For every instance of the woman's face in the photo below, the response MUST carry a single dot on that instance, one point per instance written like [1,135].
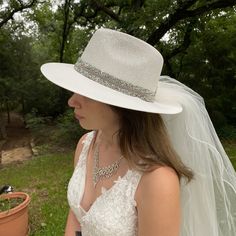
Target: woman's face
[93,115]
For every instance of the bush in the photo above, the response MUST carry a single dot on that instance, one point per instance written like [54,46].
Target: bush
[227,132]
[62,131]
[36,124]
[68,131]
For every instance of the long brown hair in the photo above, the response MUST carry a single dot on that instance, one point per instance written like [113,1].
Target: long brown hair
[144,142]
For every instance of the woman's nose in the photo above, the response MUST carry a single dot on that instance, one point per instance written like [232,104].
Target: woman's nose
[74,101]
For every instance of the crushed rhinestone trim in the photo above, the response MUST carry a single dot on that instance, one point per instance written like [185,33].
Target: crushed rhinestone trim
[112,82]
[103,172]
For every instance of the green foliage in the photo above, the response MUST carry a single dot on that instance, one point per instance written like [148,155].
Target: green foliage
[204,59]
[36,124]
[16,68]
[68,130]
[227,132]
[45,97]
[64,131]
[9,203]
[208,66]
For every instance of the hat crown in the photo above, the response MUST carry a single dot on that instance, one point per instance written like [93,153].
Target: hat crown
[116,69]
[124,57]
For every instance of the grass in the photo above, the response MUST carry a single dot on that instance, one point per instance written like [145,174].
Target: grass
[45,178]
[230,148]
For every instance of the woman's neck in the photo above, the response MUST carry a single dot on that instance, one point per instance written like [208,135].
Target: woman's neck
[108,138]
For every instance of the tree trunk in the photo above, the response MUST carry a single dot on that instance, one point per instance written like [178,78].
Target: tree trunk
[8,113]
[3,133]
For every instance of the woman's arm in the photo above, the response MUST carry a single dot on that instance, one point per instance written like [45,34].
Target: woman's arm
[158,203]
[72,224]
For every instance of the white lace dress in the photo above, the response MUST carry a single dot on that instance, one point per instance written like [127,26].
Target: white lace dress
[113,213]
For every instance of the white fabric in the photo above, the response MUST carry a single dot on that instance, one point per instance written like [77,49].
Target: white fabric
[113,213]
[66,77]
[124,57]
[209,200]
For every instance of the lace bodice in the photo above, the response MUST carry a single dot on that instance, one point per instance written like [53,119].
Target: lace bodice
[113,213]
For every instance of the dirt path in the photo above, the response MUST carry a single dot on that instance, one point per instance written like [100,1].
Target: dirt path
[17,146]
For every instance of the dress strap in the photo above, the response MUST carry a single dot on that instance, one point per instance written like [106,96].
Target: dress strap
[86,144]
[88,139]
[134,181]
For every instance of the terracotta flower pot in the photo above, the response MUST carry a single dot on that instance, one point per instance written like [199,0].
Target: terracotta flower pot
[14,222]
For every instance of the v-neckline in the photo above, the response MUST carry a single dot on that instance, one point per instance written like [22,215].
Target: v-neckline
[103,188]
[118,180]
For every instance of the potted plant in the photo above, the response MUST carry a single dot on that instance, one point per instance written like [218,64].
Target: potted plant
[14,214]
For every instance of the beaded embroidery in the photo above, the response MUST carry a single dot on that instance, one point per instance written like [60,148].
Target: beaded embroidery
[112,82]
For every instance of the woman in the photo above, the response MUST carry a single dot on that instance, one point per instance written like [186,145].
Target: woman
[153,164]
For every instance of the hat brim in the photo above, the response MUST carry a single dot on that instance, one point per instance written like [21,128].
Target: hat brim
[65,76]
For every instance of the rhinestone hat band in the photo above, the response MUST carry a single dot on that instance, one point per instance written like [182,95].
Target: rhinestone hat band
[112,82]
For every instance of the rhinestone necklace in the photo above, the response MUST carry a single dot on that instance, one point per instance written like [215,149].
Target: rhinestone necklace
[103,172]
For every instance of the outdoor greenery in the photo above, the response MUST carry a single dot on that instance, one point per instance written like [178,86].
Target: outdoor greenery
[45,179]
[64,131]
[196,38]
[7,204]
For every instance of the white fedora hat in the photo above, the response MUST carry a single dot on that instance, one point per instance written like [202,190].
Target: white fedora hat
[117,69]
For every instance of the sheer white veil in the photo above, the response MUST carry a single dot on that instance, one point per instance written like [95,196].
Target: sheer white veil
[208,202]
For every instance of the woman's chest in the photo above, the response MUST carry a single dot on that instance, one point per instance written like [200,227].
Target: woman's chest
[114,211]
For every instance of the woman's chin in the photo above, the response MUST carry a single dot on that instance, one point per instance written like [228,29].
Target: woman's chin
[84,125]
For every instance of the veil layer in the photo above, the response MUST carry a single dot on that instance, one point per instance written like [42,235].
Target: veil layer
[208,202]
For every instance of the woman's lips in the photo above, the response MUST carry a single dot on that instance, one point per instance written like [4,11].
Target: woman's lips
[79,117]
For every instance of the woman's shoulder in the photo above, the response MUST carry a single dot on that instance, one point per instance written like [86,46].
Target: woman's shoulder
[158,184]
[159,174]
[158,202]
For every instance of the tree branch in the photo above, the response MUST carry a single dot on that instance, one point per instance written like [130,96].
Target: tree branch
[212,6]
[80,12]
[166,25]
[19,9]
[65,28]
[186,41]
[182,13]
[137,4]
[185,44]
[105,9]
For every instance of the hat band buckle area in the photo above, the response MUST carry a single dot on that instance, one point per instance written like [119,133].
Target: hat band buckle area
[112,82]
